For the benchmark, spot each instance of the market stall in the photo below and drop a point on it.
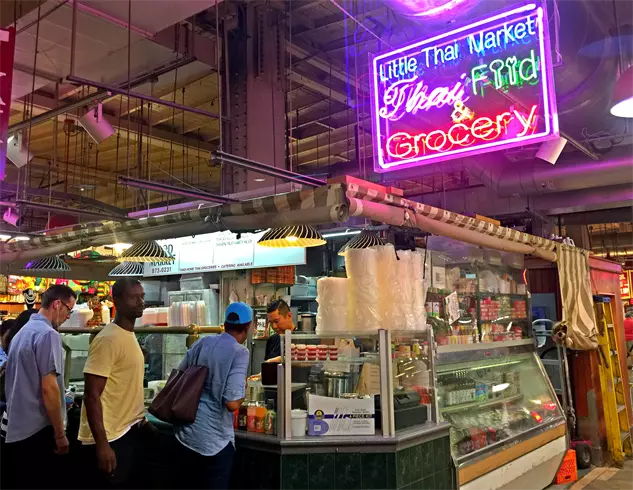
(526, 440)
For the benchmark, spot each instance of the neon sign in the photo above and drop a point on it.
(482, 87)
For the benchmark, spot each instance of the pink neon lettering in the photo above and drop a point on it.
(403, 145)
(410, 96)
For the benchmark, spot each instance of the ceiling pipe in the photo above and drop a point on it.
(147, 98)
(226, 158)
(97, 96)
(198, 204)
(540, 177)
(6, 188)
(170, 189)
(71, 211)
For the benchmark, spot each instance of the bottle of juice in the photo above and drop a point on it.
(260, 415)
(270, 423)
(250, 417)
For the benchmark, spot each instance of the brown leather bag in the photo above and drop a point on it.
(177, 403)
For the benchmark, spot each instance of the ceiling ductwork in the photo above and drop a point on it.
(537, 177)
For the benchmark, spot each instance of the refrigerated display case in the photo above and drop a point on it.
(506, 423)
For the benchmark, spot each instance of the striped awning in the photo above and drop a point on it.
(321, 205)
(449, 217)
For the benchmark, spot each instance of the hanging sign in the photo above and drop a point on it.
(7, 50)
(221, 251)
(482, 87)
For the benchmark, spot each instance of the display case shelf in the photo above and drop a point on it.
(480, 404)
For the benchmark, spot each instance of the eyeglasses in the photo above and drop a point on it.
(70, 310)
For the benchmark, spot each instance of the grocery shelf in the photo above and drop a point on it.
(481, 404)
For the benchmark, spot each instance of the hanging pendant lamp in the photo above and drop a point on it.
(292, 236)
(623, 95)
(127, 269)
(148, 251)
(366, 239)
(47, 264)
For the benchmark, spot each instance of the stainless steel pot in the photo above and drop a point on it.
(337, 383)
(308, 322)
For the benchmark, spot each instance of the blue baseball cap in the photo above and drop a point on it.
(242, 310)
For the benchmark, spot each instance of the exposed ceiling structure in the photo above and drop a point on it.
(172, 53)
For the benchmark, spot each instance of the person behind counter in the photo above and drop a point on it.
(208, 444)
(112, 424)
(280, 317)
(35, 396)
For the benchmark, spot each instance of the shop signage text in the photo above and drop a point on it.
(221, 251)
(481, 87)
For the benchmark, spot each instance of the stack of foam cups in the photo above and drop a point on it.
(418, 291)
(389, 294)
(404, 269)
(332, 299)
(363, 289)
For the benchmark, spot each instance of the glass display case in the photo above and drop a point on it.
(476, 294)
(357, 383)
(495, 396)
(334, 384)
(412, 378)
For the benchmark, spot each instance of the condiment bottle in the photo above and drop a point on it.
(250, 417)
(270, 423)
(260, 415)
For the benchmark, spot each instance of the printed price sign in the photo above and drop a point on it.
(482, 87)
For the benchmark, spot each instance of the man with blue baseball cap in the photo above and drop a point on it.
(208, 444)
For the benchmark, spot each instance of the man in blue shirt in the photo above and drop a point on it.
(36, 406)
(209, 443)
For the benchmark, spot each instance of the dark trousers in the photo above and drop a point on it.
(209, 472)
(128, 450)
(32, 462)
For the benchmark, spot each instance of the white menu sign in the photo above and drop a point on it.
(222, 251)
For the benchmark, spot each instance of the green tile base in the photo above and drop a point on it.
(427, 466)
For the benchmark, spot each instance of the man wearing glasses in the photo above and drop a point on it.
(36, 409)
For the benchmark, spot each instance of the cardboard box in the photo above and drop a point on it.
(341, 416)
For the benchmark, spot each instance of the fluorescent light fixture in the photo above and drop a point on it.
(260, 179)
(341, 233)
(21, 238)
(5, 237)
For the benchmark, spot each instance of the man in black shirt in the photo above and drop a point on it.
(280, 318)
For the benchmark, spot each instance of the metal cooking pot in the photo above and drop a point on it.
(337, 383)
(307, 322)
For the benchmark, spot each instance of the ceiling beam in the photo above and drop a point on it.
(319, 88)
(160, 137)
(333, 67)
(307, 4)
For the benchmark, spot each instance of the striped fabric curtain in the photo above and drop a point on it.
(577, 298)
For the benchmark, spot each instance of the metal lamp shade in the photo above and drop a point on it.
(365, 239)
(149, 251)
(623, 95)
(47, 264)
(292, 236)
(127, 269)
